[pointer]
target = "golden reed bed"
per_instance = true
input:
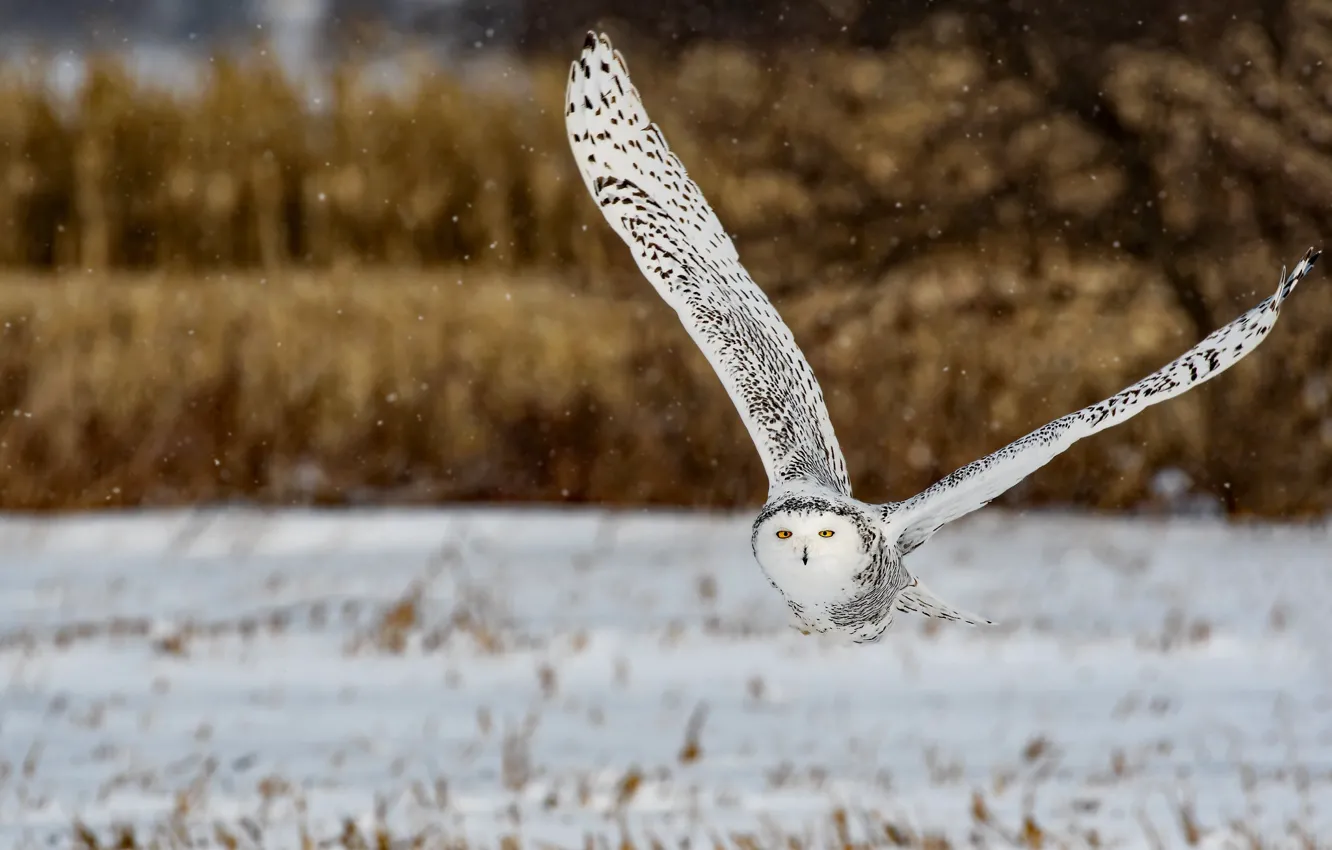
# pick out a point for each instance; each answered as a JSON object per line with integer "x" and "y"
{"x": 235, "y": 292}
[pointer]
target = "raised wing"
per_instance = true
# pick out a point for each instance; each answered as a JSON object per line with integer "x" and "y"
{"x": 680, "y": 246}
{"x": 974, "y": 485}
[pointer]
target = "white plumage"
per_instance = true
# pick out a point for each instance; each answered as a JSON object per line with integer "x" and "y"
{"x": 837, "y": 561}
{"x": 680, "y": 245}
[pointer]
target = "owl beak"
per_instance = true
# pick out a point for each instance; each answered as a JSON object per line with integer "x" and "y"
{"x": 804, "y": 555}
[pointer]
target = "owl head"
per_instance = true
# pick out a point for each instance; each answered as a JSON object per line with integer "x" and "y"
{"x": 814, "y": 549}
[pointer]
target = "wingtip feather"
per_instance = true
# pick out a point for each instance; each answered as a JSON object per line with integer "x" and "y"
{"x": 1302, "y": 268}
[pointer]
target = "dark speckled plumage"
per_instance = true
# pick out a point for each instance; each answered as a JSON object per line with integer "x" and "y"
{"x": 976, "y": 484}
{"x": 683, "y": 250}
{"x": 680, "y": 245}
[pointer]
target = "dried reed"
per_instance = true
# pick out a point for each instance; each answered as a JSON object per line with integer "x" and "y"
{"x": 407, "y": 294}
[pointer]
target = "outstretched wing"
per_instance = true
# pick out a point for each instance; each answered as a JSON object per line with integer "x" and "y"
{"x": 974, "y": 485}
{"x": 680, "y": 246}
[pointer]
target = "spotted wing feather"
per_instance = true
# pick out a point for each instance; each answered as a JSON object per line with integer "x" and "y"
{"x": 974, "y": 485}
{"x": 680, "y": 246}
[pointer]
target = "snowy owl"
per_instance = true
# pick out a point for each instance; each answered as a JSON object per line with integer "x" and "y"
{"x": 837, "y": 561}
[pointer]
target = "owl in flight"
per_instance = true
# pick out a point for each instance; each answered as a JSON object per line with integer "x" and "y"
{"x": 837, "y": 561}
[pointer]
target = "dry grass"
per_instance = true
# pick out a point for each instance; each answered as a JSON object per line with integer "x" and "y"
{"x": 867, "y": 158}
{"x": 424, "y": 605}
{"x": 854, "y": 830}
{"x": 429, "y": 386}
{"x": 965, "y": 250}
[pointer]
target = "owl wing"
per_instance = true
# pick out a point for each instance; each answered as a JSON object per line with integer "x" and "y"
{"x": 974, "y": 485}
{"x": 682, "y": 249}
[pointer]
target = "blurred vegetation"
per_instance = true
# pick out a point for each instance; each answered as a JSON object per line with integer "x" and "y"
{"x": 403, "y": 291}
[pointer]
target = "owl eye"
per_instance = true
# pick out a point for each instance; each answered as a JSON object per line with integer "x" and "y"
{"x": 783, "y": 534}
{"x": 827, "y": 532}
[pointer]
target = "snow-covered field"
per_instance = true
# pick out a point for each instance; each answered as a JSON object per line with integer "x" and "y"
{"x": 547, "y": 675}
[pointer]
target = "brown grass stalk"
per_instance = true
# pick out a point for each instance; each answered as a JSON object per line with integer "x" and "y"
{"x": 237, "y": 292}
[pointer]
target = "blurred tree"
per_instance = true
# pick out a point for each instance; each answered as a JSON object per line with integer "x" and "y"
{"x": 873, "y": 23}
{"x": 1069, "y": 26}
{"x": 85, "y": 21}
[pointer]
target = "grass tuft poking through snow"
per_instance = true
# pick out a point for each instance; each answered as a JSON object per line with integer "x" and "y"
{"x": 576, "y": 678}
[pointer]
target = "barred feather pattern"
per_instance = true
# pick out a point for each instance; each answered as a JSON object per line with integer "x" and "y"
{"x": 679, "y": 244}
{"x": 976, "y": 484}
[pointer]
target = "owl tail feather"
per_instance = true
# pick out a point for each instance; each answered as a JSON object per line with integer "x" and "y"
{"x": 916, "y": 598}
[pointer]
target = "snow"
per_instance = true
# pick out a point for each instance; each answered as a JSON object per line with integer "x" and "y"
{"x": 484, "y": 672}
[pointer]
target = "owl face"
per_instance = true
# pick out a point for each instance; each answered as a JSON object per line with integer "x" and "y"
{"x": 812, "y": 556}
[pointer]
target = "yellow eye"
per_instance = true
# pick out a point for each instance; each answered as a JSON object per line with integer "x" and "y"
{"x": 783, "y": 534}
{"x": 827, "y": 532}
